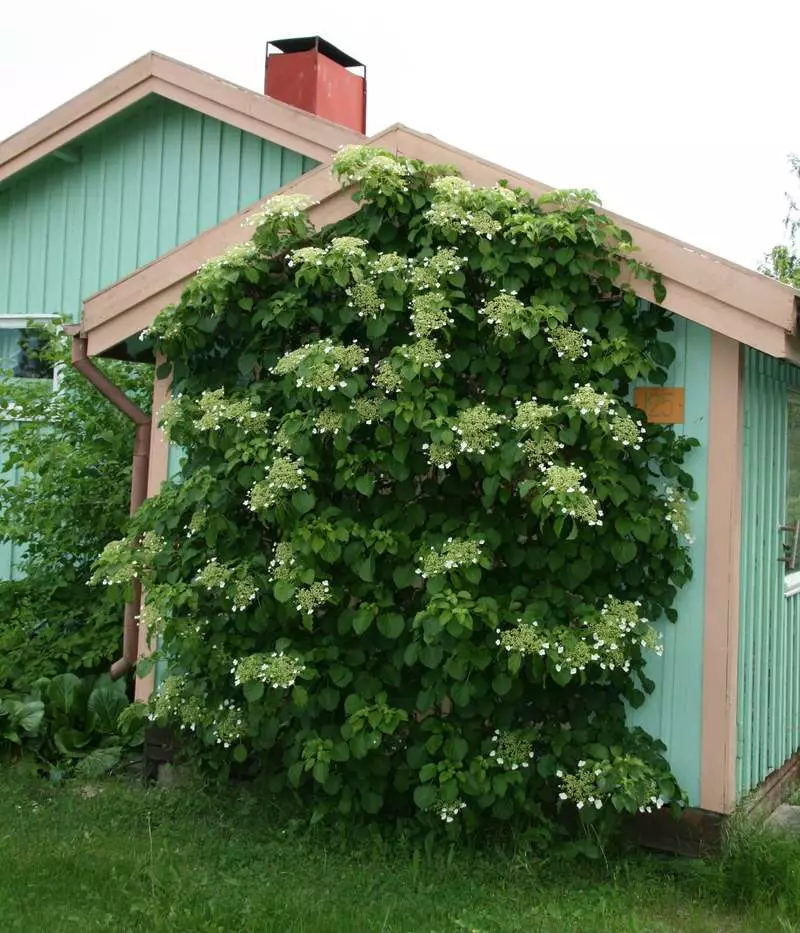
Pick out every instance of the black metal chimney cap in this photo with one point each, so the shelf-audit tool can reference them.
(316, 42)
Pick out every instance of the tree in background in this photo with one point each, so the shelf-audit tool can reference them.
(783, 262)
(72, 450)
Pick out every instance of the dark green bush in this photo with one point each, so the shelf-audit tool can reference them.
(420, 530)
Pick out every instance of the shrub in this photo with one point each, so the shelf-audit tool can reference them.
(420, 529)
(81, 724)
(74, 451)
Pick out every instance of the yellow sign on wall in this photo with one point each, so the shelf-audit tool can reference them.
(662, 405)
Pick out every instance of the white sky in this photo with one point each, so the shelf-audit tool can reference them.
(680, 114)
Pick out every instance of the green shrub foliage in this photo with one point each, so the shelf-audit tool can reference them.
(72, 449)
(420, 529)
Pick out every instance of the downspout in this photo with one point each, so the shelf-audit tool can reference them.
(141, 462)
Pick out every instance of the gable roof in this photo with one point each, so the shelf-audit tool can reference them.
(156, 74)
(720, 295)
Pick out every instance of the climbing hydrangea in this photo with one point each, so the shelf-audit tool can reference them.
(424, 354)
(310, 598)
(626, 431)
(678, 514)
(283, 565)
(454, 553)
(588, 401)
(512, 750)
(216, 410)
(323, 365)
(530, 416)
(430, 313)
(476, 429)
(568, 342)
(566, 484)
(277, 669)
(398, 431)
(283, 476)
(280, 207)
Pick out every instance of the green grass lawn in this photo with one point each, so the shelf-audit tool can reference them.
(119, 857)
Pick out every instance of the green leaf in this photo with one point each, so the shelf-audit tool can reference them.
(365, 484)
(404, 576)
(501, 684)
(99, 762)
(424, 796)
(240, 753)
(328, 698)
(431, 656)
(253, 692)
(63, 693)
(299, 696)
(365, 569)
(363, 619)
(303, 501)
(391, 625)
(340, 675)
(623, 551)
(104, 706)
(71, 742)
(283, 591)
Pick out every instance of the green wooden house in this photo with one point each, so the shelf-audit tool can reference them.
(727, 699)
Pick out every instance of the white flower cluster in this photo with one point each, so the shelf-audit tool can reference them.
(459, 206)
(423, 353)
(431, 312)
(588, 401)
(216, 410)
(508, 315)
(378, 171)
(228, 724)
(283, 563)
(321, 365)
(513, 750)
(615, 629)
(284, 475)
(235, 257)
(310, 598)
(627, 431)
(581, 787)
(567, 485)
(277, 669)
(342, 252)
(568, 342)
(426, 274)
(607, 637)
(280, 207)
(240, 586)
(448, 811)
(678, 513)
(530, 416)
(454, 553)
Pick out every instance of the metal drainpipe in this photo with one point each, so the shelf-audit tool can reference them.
(141, 462)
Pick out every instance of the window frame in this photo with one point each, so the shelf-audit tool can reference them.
(20, 322)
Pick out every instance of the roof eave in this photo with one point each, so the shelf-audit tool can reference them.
(720, 295)
(156, 74)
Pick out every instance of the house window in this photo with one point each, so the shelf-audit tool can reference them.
(20, 346)
(792, 582)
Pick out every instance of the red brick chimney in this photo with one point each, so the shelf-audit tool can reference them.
(314, 75)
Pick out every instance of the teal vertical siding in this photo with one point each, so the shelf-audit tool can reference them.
(673, 713)
(142, 185)
(768, 713)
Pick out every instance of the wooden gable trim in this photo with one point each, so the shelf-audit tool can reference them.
(156, 74)
(720, 295)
